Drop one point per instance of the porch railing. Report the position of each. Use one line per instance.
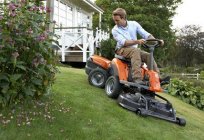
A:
(79, 39)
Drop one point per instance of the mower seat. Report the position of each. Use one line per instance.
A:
(122, 58)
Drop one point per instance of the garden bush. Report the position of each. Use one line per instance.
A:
(187, 92)
(27, 62)
(107, 48)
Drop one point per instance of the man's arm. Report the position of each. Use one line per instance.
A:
(142, 32)
(134, 42)
(140, 41)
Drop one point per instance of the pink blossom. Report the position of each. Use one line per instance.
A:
(42, 8)
(42, 61)
(35, 8)
(1, 17)
(31, 9)
(1, 46)
(35, 62)
(48, 10)
(41, 38)
(12, 6)
(30, 31)
(15, 55)
(9, 24)
(38, 60)
(13, 14)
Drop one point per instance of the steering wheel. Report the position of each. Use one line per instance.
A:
(152, 43)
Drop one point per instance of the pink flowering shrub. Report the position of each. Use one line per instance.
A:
(27, 61)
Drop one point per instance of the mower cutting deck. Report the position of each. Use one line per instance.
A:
(149, 106)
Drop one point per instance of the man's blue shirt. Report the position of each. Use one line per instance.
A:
(121, 34)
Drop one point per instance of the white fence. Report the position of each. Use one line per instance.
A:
(193, 75)
(82, 38)
(196, 76)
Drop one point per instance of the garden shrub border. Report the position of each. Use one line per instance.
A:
(187, 92)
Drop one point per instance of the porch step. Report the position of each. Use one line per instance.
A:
(74, 58)
(74, 53)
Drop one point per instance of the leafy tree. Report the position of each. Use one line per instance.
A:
(190, 46)
(154, 15)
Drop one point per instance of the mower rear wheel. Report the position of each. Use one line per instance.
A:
(113, 87)
(97, 77)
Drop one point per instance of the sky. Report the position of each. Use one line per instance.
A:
(188, 13)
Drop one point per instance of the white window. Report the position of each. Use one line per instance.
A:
(7, 1)
(82, 19)
(2, 1)
(62, 14)
(79, 18)
(69, 16)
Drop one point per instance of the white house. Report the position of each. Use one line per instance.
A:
(74, 26)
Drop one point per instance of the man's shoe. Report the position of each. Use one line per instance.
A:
(165, 80)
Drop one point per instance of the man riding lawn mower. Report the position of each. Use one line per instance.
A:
(116, 77)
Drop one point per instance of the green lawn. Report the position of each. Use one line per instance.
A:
(79, 111)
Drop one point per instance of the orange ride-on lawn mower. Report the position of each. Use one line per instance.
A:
(116, 77)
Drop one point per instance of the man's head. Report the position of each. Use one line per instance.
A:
(119, 16)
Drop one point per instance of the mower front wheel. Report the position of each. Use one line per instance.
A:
(141, 112)
(97, 77)
(113, 87)
(181, 121)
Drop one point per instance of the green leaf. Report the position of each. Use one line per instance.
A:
(173, 91)
(187, 100)
(202, 99)
(15, 77)
(181, 93)
(193, 99)
(20, 39)
(5, 88)
(189, 93)
(4, 76)
(37, 82)
(3, 60)
(21, 67)
(199, 105)
(28, 91)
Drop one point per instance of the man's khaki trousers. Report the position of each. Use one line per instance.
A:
(137, 56)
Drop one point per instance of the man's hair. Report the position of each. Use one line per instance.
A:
(120, 12)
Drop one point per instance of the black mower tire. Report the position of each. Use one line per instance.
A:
(113, 87)
(181, 121)
(141, 113)
(97, 77)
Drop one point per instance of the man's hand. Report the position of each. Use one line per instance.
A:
(140, 41)
(162, 42)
